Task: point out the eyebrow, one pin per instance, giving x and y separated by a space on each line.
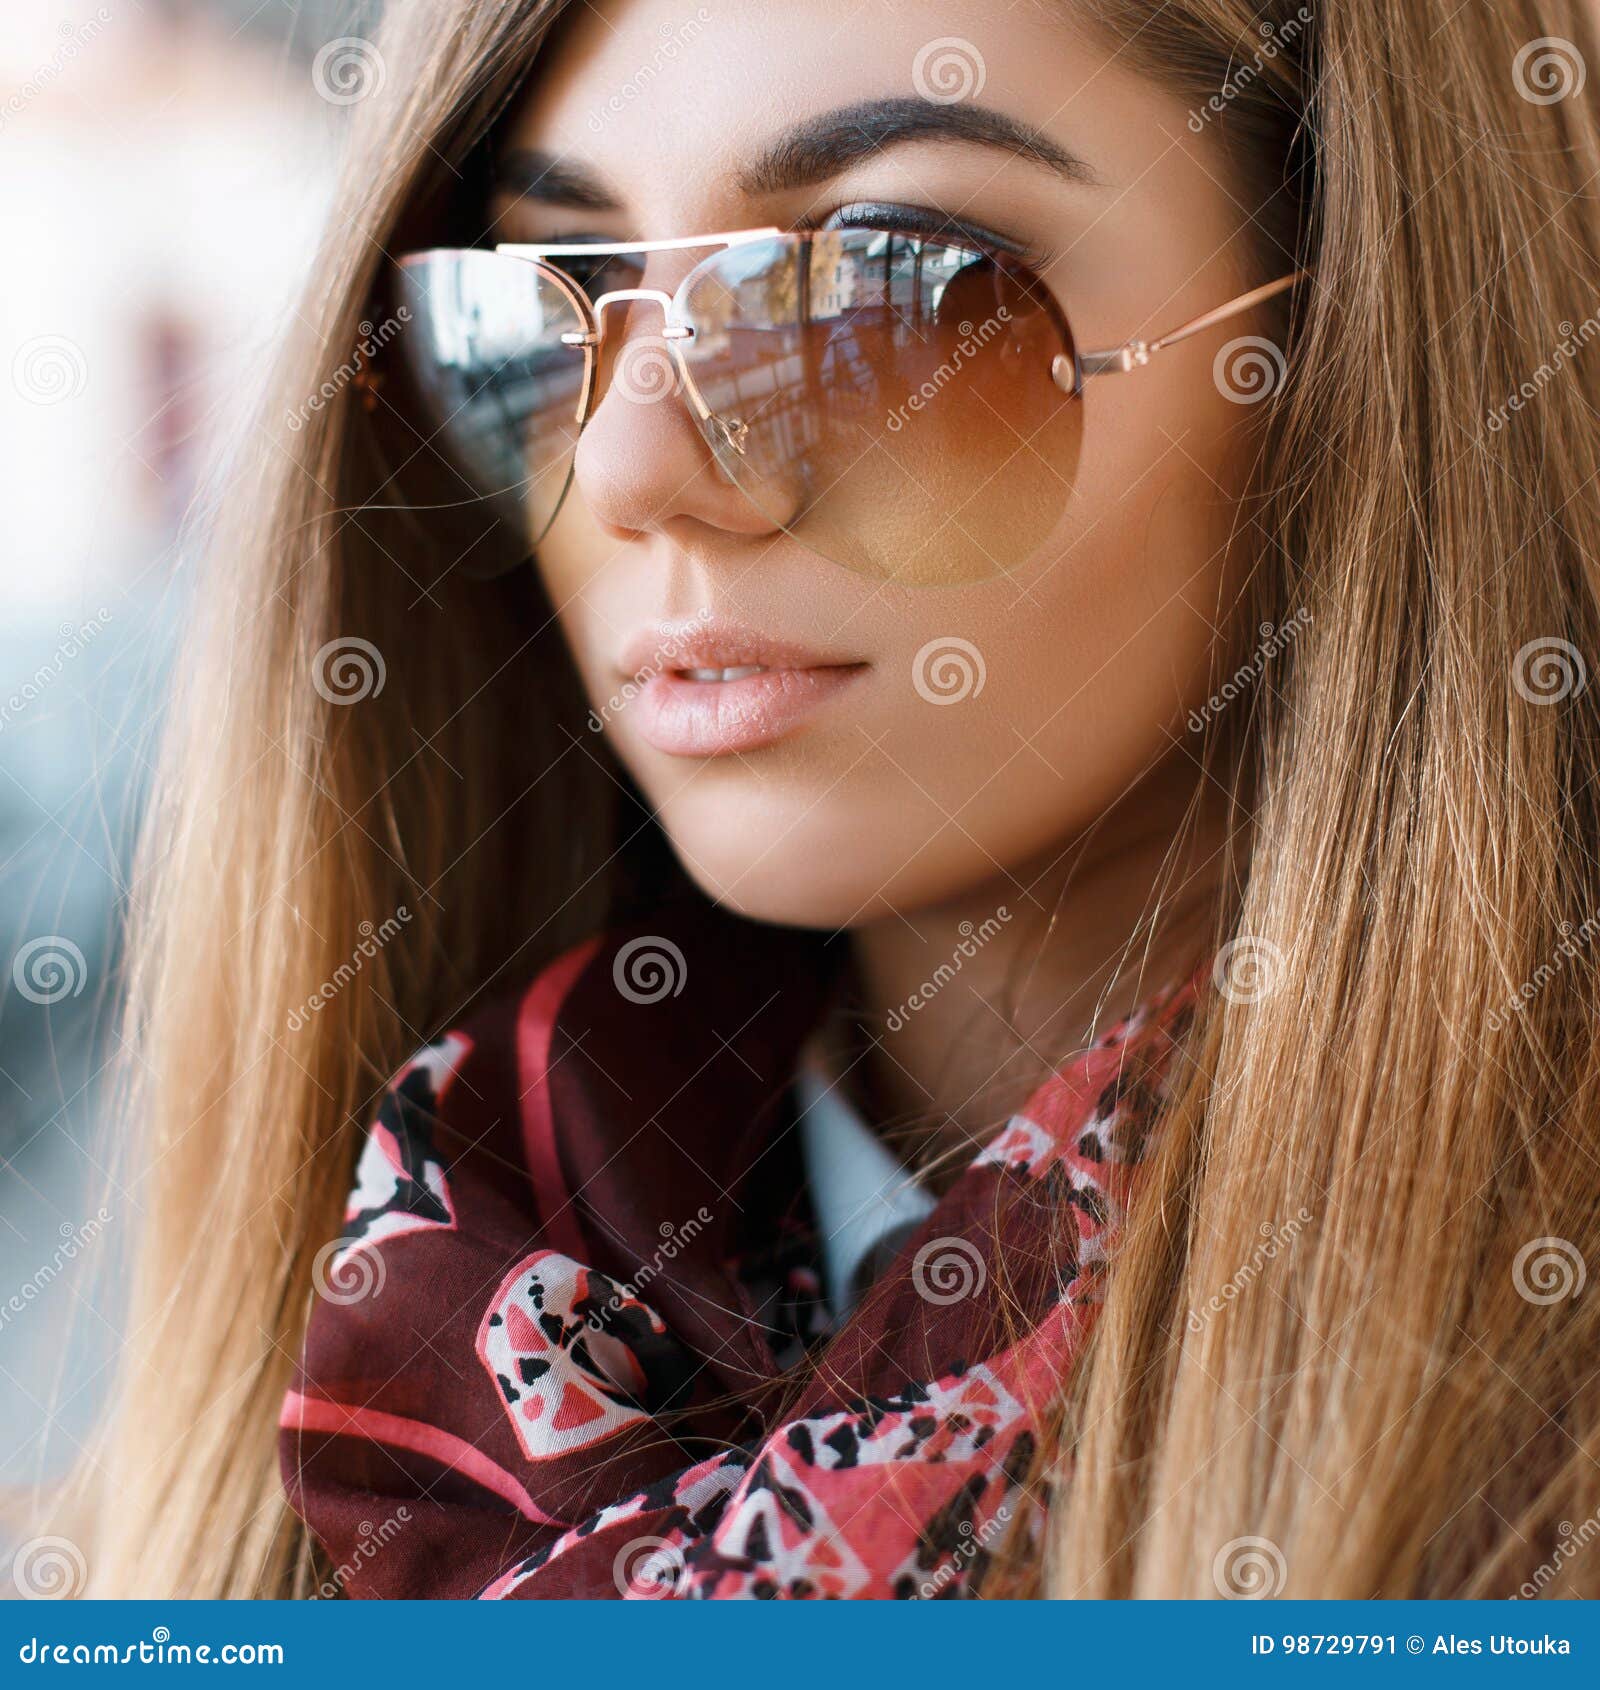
813 151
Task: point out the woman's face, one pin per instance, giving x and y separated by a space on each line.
909 744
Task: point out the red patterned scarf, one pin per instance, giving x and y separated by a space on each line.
573 1343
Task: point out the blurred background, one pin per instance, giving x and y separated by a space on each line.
165 167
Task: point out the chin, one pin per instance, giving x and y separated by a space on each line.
834 872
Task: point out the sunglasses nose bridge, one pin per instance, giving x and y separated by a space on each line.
669 330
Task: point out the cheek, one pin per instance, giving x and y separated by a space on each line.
998 720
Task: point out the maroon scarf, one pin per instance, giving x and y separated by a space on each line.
555 1351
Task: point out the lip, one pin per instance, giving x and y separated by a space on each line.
689 718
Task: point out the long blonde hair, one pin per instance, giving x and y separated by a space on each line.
1396 1403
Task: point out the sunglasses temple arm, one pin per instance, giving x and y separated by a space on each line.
1135 353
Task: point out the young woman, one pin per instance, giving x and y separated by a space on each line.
967 752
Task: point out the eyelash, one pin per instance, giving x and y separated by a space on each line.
931 225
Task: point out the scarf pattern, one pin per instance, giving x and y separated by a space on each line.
572 1341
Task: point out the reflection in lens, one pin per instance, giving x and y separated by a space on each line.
887 399
500 395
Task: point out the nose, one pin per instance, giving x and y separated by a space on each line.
642 463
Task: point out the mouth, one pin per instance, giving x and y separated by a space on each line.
709 689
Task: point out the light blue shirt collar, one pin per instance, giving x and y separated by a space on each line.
859 1191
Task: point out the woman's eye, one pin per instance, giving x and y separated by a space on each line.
604 273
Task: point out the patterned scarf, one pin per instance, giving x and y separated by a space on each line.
572 1341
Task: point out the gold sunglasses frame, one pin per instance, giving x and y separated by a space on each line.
1068 374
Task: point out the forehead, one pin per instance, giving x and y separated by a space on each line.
669 97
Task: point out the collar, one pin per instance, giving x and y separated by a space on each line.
861 1195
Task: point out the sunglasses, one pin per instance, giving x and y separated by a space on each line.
907 407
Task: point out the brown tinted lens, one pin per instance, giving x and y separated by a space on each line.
499 395
886 399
